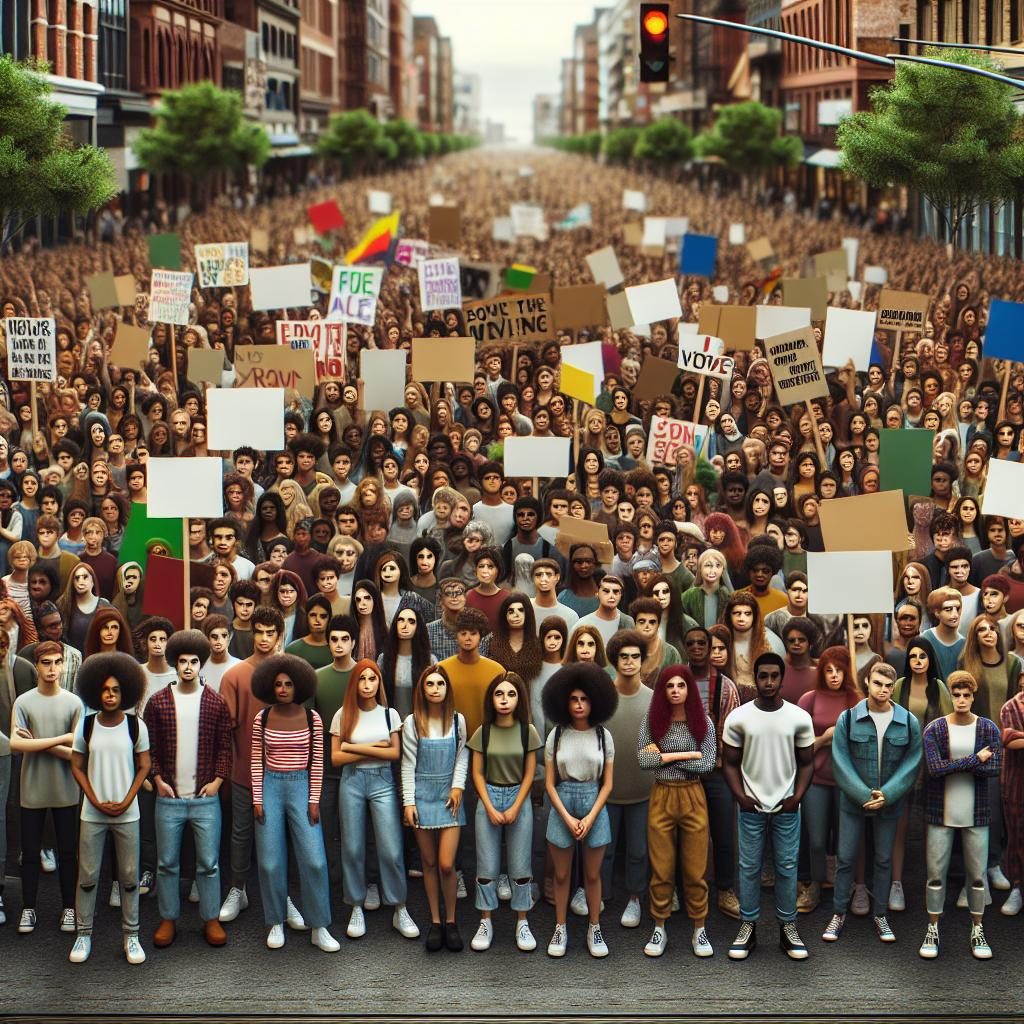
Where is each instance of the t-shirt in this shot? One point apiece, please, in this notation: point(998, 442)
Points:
point(326, 702)
point(945, 654)
point(489, 604)
point(46, 780)
point(958, 809)
point(505, 752)
point(186, 745)
point(371, 726)
point(798, 681)
point(825, 707)
point(469, 684)
point(155, 681)
point(881, 720)
point(632, 784)
point(317, 655)
point(499, 518)
point(579, 754)
point(213, 672)
point(110, 766)
point(768, 766)
point(607, 627)
point(562, 611)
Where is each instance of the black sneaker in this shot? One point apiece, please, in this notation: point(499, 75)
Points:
point(435, 938)
point(790, 942)
point(745, 942)
point(452, 938)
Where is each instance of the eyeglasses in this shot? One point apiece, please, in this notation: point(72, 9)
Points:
point(453, 592)
point(631, 655)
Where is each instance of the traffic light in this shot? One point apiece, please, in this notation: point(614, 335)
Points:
point(654, 42)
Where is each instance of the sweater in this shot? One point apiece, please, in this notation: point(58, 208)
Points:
point(677, 738)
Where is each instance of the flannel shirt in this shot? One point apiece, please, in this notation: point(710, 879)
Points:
point(938, 764)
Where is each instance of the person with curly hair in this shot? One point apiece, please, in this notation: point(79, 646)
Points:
point(286, 765)
point(579, 756)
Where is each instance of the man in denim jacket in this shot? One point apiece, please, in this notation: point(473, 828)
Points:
point(876, 754)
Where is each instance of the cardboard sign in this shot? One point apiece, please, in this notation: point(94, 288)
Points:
point(865, 522)
point(131, 346)
point(735, 325)
point(165, 251)
point(528, 221)
point(772, 320)
point(583, 531)
point(634, 200)
point(656, 378)
point(102, 290)
point(449, 359)
point(703, 354)
point(354, 291)
point(633, 235)
point(170, 292)
point(806, 291)
point(849, 334)
point(205, 365)
point(619, 314)
point(796, 366)
point(326, 216)
point(579, 305)
point(440, 284)
point(697, 255)
point(658, 300)
point(383, 374)
point(1004, 489)
point(31, 348)
point(536, 456)
point(866, 582)
point(240, 416)
point(832, 266)
point(259, 240)
point(907, 311)
point(582, 371)
point(222, 264)
point(479, 280)
point(668, 436)
point(324, 337)
point(760, 249)
point(378, 202)
point(445, 226)
point(905, 460)
point(179, 488)
point(285, 287)
point(274, 366)
point(1004, 331)
point(510, 319)
point(501, 230)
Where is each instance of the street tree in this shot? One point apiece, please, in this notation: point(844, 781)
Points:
point(619, 144)
point(41, 171)
point(664, 143)
point(354, 139)
point(954, 138)
point(406, 138)
point(746, 139)
point(200, 133)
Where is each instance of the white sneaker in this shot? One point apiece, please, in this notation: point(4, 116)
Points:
point(372, 901)
point(578, 904)
point(356, 924)
point(860, 905)
point(324, 940)
point(657, 942)
point(701, 944)
point(998, 880)
point(930, 947)
point(524, 937)
point(979, 944)
point(48, 861)
point(401, 920)
point(897, 899)
point(81, 950)
point(133, 951)
point(595, 941)
point(504, 888)
point(481, 942)
point(193, 893)
point(559, 941)
point(460, 886)
point(27, 924)
point(631, 915)
point(67, 919)
point(234, 904)
point(293, 918)
point(275, 937)
point(1013, 904)
point(115, 896)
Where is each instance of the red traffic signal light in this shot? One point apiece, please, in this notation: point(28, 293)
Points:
point(654, 55)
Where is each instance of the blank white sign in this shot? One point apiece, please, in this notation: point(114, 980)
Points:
point(536, 456)
point(383, 375)
point(845, 582)
point(179, 488)
point(658, 300)
point(772, 320)
point(1004, 489)
point(245, 416)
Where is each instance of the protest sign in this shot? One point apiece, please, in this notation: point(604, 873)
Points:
point(324, 337)
point(528, 220)
point(633, 235)
point(832, 266)
point(904, 311)
point(126, 289)
point(451, 359)
point(737, 234)
point(245, 416)
point(720, 293)
point(865, 522)
point(619, 313)
point(604, 266)
point(667, 436)
point(205, 365)
point(1004, 489)
point(772, 320)
point(905, 460)
point(511, 318)
point(697, 255)
point(170, 292)
point(479, 280)
point(325, 216)
point(676, 227)
point(866, 582)
point(165, 251)
point(656, 378)
point(410, 252)
point(580, 305)
point(178, 488)
point(654, 233)
point(275, 366)
point(288, 286)
point(634, 200)
point(440, 286)
point(851, 246)
point(222, 264)
point(735, 325)
point(102, 290)
point(445, 225)
point(849, 334)
point(501, 230)
point(379, 202)
point(876, 275)
point(259, 240)
point(760, 249)
point(806, 291)
point(583, 531)
point(383, 375)
point(658, 300)
point(320, 274)
point(131, 345)
point(354, 291)
point(1004, 333)
point(703, 354)
point(31, 348)
point(796, 366)
point(536, 456)
point(582, 371)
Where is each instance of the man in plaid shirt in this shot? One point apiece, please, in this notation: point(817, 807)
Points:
point(190, 741)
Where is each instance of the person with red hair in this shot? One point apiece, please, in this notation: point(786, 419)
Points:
point(677, 742)
point(724, 535)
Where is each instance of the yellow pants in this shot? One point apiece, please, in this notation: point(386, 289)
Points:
point(677, 825)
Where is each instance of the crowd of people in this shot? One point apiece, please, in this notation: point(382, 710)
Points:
point(396, 632)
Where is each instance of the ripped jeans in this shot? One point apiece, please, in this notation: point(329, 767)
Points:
point(92, 836)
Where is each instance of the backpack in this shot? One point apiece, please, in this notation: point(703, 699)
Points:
point(524, 737)
point(558, 739)
point(90, 721)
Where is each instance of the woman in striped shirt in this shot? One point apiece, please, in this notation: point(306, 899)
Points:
point(287, 772)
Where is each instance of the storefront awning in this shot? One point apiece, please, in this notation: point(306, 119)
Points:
point(824, 158)
point(288, 151)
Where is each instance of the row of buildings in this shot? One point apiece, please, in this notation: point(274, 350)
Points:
point(600, 86)
point(295, 62)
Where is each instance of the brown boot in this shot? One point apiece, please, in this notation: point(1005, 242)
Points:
point(214, 933)
point(164, 934)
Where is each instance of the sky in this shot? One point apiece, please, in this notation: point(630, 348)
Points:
point(516, 46)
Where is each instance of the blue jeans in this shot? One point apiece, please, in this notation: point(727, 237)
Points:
point(753, 831)
point(172, 814)
point(286, 810)
point(631, 819)
point(820, 808)
point(373, 790)
point(851, 828)
point(518, 845)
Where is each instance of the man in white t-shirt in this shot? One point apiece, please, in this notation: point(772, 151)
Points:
point(768, 760)
point(547, 574)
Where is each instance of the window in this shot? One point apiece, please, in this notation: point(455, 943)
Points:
point(266, 38)
point(113, 44)
point(14, 30)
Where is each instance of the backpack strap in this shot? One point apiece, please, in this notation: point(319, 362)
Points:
point(87, 727)
point(558, 739)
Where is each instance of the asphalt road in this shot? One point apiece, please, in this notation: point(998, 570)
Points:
point(384, 973)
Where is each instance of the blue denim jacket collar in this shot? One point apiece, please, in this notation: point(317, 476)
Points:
point(899, 715)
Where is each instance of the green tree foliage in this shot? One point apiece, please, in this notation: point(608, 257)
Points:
point(588, 144)
point(355, 139)
point(951, 136)
point(200, 132)
point(406, 138)
point(745, 137)
point(620, 143)
point(664, 143)
point(41, 171)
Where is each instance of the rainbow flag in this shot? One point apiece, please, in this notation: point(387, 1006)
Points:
point(377, 240)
